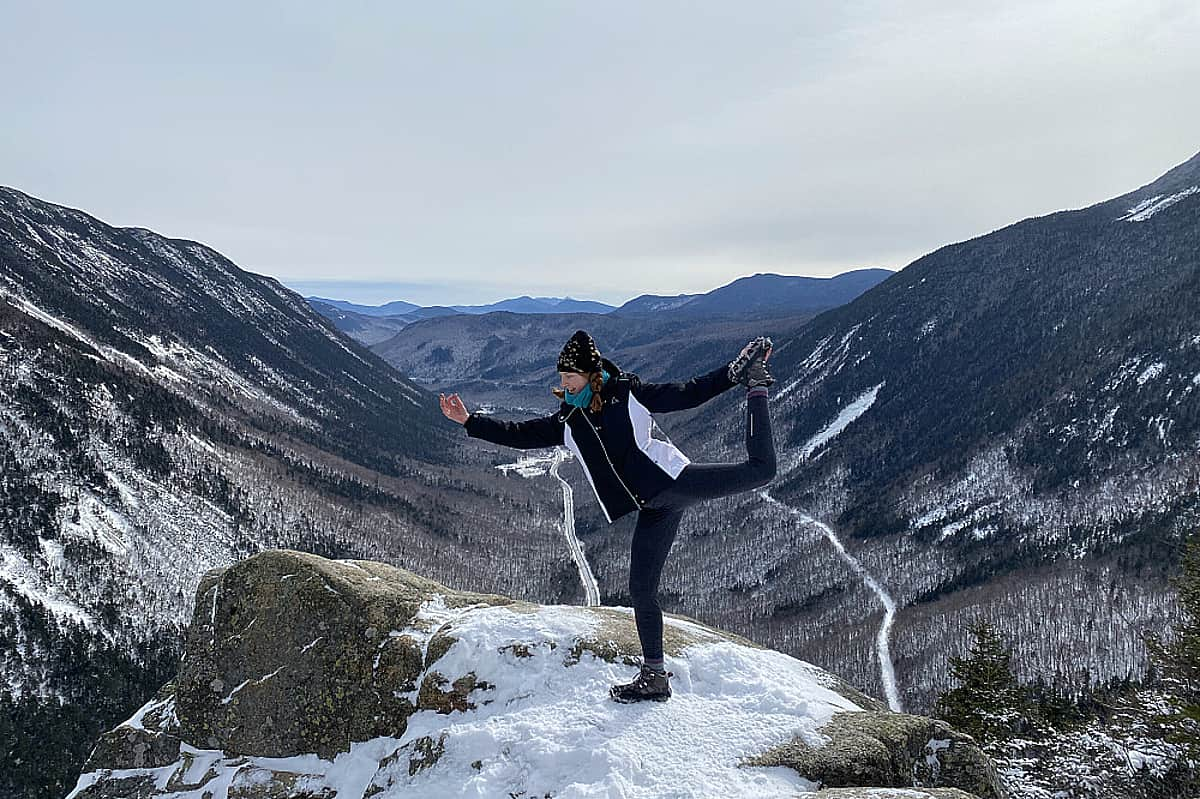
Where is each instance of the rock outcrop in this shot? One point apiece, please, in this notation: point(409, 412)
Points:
point(894, 750)
point(306, 677)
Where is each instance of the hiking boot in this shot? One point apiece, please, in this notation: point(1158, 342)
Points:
point(743, 368)
point(649, 684)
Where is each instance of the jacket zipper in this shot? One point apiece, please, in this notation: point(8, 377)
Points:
point(600, 441)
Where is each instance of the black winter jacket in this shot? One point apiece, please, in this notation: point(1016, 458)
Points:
point(625, 465)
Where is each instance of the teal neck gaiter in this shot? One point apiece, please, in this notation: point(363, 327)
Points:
point(584, 396)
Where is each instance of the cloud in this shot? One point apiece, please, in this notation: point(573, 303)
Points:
point(599, 150)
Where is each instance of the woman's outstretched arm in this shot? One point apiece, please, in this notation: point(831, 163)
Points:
point(665, 397)
point(530, 434)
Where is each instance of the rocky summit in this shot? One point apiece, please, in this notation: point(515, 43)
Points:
point(314, 678)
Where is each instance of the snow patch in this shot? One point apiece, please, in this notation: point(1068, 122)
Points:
point(845, 417)
point(1150, 372)
point(591, 589)
point(536, 465)
point(1148, 208)
point(530, 465)
point(20, 576)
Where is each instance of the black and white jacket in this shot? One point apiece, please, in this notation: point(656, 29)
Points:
point(625, 465)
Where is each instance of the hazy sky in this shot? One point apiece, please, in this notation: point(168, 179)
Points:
point(464, 152)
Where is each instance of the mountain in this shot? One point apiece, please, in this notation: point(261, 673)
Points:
point(374, 324)
point(439, 693)
point(523, 304)
point(363, 328)
point(656, 303)
point(1006, 428)
point(394, 308)
point(165, 412)
point(506, 360)
point(528, 304)
point(765, 294)
point(758, 296)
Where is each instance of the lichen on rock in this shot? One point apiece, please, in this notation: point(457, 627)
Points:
point(283, 619)
point(889, 750)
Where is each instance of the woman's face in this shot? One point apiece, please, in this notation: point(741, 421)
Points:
point(572, 381)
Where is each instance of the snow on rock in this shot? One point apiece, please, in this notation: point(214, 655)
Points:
point(419, 690)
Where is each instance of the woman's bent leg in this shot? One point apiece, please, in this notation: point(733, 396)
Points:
point(700, 481)
point(652, 538)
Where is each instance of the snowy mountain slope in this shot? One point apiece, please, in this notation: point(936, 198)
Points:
point(165, 412)
point(180, 309)
point(1008, 426)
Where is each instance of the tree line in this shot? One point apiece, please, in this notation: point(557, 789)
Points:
point(1069, 737)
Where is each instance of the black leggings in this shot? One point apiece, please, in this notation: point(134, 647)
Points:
point(658, 520)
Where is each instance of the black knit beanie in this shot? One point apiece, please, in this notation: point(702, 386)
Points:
point(579, 355)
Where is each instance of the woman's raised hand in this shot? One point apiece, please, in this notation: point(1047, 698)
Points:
point(453, 408)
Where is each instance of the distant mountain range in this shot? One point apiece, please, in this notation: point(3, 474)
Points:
point(766, 295)
point(516, 305)
point(758, 295)
point(507, 361)
point(371, 324)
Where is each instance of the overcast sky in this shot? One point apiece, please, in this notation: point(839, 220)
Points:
point(465, 152)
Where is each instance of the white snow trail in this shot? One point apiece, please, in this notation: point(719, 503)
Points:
point(537, 465)
point(860, 405)
point(590, 589)
point(887, 669)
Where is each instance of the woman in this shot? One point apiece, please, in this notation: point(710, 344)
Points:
point(605, 421)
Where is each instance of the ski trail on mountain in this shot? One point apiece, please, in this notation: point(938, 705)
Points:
point(887, 669)
point(538, 465)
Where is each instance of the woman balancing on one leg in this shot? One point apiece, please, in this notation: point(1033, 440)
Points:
point(605, 421)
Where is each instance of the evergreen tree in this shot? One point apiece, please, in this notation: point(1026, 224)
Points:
point(1179, 661)
point(987, 702)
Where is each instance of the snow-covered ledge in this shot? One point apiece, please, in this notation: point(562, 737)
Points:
point(309, 677)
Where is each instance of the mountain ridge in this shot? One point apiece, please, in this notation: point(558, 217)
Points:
point(166, 412)
point(983, 414)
